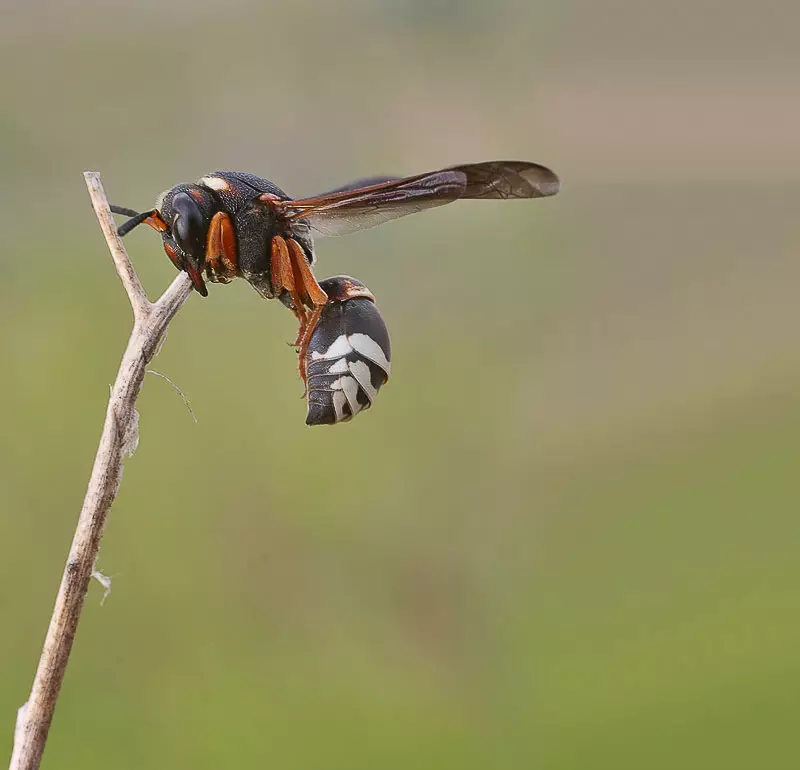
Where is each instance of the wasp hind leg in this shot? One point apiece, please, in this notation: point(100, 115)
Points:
point(290, 273)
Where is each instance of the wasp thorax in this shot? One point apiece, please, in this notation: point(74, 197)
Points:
point(348, 357)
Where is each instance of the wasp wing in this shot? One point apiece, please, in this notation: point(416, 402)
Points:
point(508, 179)
point(357, 184)
point(357, 209)
point(351, 209)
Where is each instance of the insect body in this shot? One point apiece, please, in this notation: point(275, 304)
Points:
point(230, 224)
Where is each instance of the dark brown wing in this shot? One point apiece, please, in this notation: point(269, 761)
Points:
point(357, 184)
point(506, 179)
point(350, 209)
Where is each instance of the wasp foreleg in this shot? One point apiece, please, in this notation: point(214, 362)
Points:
point(221, 260)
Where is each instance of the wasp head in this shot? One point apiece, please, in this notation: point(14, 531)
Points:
point(186, 211)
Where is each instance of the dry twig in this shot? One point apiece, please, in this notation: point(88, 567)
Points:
point(119, 439)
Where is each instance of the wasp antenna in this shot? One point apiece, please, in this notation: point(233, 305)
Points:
point(135, 221)
point(124, 211)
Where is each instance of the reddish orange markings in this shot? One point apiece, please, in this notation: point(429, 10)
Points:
point(289, 271)
point(173, 255)
point(156, 222)
point(221, 257)
point(314, 296)
point(230, 258)
point(312, 290)
point(197, 280)
point(283, 277)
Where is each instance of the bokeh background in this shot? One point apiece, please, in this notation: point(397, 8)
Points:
point(567, 534)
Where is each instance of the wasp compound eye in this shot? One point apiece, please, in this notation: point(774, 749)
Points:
point(188, 225)
point(348, 358)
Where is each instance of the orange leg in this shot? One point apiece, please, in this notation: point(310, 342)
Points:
point(282, 276)
point(290, 272)
point(313, 295)
point(221, 259)
point(313, 291)
point(229, 256)
point(304, 339)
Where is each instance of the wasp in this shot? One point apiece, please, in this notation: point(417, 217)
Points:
point(236, 225)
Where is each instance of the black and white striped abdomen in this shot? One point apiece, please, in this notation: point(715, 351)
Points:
point(348, 358)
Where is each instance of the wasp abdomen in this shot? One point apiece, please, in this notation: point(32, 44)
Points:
point(348, 358)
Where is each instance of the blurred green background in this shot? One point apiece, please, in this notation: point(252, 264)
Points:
point(567, 534)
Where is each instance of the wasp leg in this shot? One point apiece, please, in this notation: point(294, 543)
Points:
point(221, 260)
point(289, 272)
point(311, 291)
point(313, 295)
point(282, 277)
point(303, 340)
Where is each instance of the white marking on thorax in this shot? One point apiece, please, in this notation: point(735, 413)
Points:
point(214, 183)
